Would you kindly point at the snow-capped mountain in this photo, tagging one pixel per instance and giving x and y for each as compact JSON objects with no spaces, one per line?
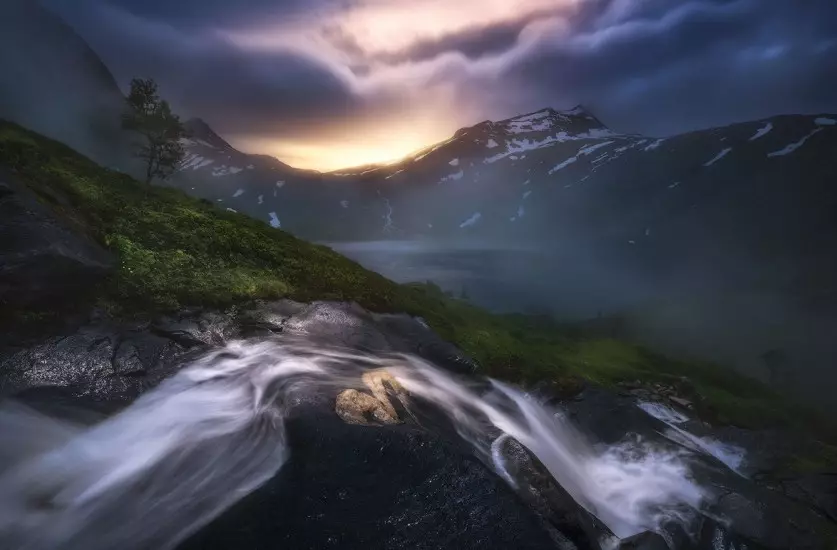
{"x":718,"y":204}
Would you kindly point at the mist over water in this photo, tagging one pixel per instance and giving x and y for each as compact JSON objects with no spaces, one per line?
{"x":690,"y":313}
{"x":187,"y":450}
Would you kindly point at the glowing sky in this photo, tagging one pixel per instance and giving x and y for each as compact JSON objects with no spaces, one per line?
{"x":326,"y":84}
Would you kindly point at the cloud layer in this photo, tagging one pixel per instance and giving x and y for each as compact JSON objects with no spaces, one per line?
{"x":325,"y":83}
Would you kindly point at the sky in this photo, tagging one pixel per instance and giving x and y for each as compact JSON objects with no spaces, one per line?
{"x":326,"y":84}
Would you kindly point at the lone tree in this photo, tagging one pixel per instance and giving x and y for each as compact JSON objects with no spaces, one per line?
{"x":161,"y":129}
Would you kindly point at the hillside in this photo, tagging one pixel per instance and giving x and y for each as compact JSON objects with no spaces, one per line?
{"x":174,"y":251}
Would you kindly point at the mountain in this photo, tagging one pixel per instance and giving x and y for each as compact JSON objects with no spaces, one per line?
{"x":720,"y":203}
{"x":53,"y":82}
{"x":717,"y":243}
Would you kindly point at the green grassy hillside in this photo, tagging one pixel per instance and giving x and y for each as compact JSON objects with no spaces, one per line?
{"x":176,"y":251}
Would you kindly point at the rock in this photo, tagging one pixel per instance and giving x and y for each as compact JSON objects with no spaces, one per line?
{"x":355,"y":407}
{"x":816,"y":490}
{"x":536,"y":486}
{"x":102,"y":361}
{"x":394,"y":487}
{"x":196,"y":329}
{"x":409,"y":482}
{"x":685,"y":403}
{"x":43,"y":258}
{"x":126,"y":360}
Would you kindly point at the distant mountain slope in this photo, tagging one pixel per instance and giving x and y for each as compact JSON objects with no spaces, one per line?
{"x":53,"y":82}
{"x":550,"y":175}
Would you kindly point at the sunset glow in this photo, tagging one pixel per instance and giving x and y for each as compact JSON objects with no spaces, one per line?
{"x":378,"y":143}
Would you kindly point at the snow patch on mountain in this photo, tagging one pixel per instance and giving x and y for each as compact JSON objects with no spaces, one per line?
{"x":526,"y":194}
{"x":454,"y":162}
{"x":194,"y":162}
{"x":762,"y":131}
{"x":453,"y":177}
{"x":587,"y":149}
{"x":225,"y":170}
{"x":393,"y":175}
{"x":238,"y":193}
{"x":389,"y":226}
{"x":492,"y":144}
{"x":822,"y":121}
{"x":233,"y":210}
{"x":261,"y":199}
{"x":274,"y":220}
{"x":719,"y":156}
{"x":794,"y":146}
{"x":344,"y":203}
{"x":471,"y":221}
{"x":280,"y":184}
{"x":584,"y":151}
{"x":564,"y":164}
{"x":654,"y":145}
{"x":520,"y":212}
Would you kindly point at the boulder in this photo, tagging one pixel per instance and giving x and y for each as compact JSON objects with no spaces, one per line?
{"x":43,"y":259}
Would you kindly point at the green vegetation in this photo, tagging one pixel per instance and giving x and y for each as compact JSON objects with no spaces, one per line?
{"x":177,"y":251}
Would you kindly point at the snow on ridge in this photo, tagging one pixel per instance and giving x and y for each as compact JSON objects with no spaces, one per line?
{"x":261,"y":199}
{"x":238,"y":193}
{"x":762,"y":131}
{"x":719,"y":156}
{"x":822,"y":121}
{"x":563,"y":164}
{"x":520,"y":212}
{"x":454,"y":162}
{"x":280,"y":184}
{"x":526,"y":194}
{"x":654,"y":145}
{"x":274,"y":220}
{"x":794,"y":146}
{"x":586,"y":150}
{"x":233,"y":210}
{"x":492,"y":144}
{"x":471,"y":221}
{"x":393,"y":175}
{"x":453,"y":177}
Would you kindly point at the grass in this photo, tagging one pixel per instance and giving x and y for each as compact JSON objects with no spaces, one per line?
{"x":175,"y":251}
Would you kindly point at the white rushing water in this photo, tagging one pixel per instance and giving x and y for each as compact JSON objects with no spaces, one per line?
{"x":187,"y":450}
{"x":731,"y":456}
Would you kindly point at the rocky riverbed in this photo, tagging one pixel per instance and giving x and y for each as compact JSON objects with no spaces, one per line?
{"x":372,"y":464}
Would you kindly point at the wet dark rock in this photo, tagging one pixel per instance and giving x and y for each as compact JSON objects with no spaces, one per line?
{"x":817,"y":490}
{"x":536,"y":486}
{"x":394,"y":487}
{"x":407,"y":334}
{"x":410,"y":484}
{"x":43,"y":258}
{"x":203,"y":328}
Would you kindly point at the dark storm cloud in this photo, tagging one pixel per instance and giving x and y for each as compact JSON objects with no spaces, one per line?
{"x":474,"y":42}
{"x":695,"y":65}
{"x":280,"y":94}
{"x":654,"y":66}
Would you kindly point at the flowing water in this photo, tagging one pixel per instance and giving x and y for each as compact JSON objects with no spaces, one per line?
{"x":185,"y":451}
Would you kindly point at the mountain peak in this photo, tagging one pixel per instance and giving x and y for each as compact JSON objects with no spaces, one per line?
{"x":200,"y":130}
